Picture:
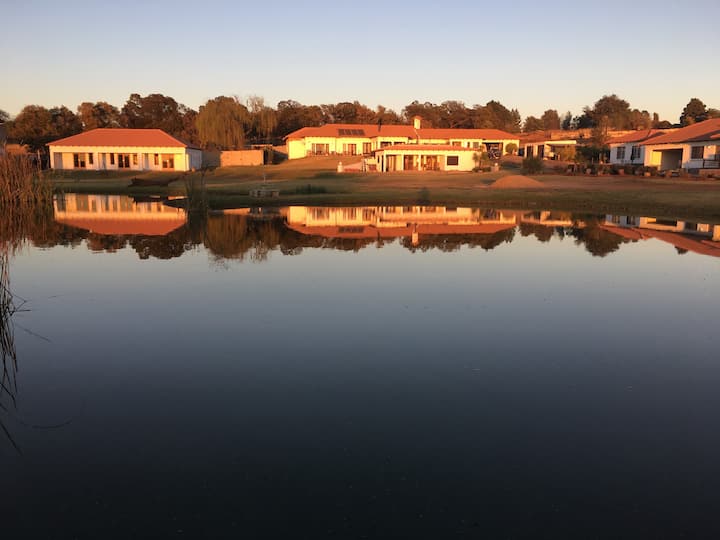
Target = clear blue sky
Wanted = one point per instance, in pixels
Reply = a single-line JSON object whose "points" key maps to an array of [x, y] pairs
{"points": [[528, 55]]}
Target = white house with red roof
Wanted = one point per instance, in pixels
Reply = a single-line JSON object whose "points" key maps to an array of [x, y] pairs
{"points": [[368, 139], [694, 148], [627, 149], [121, 149]]}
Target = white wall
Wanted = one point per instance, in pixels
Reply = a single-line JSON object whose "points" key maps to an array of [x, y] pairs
{"points": [[183, 158]]}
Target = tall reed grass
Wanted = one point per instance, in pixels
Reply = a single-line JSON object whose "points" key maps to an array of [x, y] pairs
{"points": [[25, 205]]}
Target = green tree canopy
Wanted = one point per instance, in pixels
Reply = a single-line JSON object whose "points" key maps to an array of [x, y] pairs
{"points": [[36, 126], [98, 115], [695, 111], [223, 122], [533, 123], [153, 111], [550, 120]]}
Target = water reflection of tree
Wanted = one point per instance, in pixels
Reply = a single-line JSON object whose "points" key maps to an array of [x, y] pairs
{"points": [[542, 232], [453, 242], [598, 241]]}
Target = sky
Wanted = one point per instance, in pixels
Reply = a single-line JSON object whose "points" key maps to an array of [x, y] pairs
{"points": [[531, 56]]}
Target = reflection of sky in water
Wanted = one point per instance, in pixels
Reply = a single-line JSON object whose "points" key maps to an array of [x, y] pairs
{"points": [[509, 382]]}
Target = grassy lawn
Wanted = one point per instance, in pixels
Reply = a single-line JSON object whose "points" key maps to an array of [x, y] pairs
{"points": [[314, 181]]}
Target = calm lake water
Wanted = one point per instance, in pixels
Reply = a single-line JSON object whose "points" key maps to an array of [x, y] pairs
{"points": [[377, 372]]}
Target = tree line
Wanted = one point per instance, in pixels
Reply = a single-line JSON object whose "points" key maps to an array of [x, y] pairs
{"points": [[228, 123]]}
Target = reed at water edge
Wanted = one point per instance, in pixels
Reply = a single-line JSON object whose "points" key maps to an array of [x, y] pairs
{"points": [[25, 204]]}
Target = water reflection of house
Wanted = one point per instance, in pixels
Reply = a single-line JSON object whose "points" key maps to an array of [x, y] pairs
{"points": [[397, 221], [548, 218], [702, 238], [117, 214]]}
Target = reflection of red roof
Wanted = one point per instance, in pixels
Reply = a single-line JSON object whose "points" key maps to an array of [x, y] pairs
{"points": [[625, 232], [685, 242], [122, 137], [702, 131], [119, 226], [370, 231], [682, 241], [639, 136]]}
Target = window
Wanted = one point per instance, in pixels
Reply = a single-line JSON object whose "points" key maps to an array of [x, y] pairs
{"points": [[453, 160], [635, 153], [320, 149], [79, 161], [455, 143], [134, 159], [112, 159], [621, 152], [697, 152], [90, 159], [367, 148], [350, 149], [168, 161], [156, 159], [123, 161]]}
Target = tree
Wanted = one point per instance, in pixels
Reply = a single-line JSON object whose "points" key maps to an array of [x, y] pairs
{"points": [[694, 111], [550, 120], [98, 115], [567, 121], [532, 123], [223, 122], [292, 116], [429, 112], [504, 118], [511, 148], [4, 117], [36, 126], [153, 111], [263, 119], [612, 110]]}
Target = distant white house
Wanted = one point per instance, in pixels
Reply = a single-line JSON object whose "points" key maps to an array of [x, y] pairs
{"points": [[542, 145], [119, 149], [628, 150], [425, 157], [694, 148], [367, 139]]}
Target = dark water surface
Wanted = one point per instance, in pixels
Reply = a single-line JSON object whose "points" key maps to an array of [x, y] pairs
{"points": [[313, 373]]}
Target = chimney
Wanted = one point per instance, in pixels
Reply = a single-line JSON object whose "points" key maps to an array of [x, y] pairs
{"points": [[417, 120]]}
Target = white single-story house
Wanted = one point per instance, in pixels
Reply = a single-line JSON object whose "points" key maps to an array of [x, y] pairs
{"points": [[694, 148], [543, 146], [628, 150], [132, 149], [366, 139], [425, 157]]}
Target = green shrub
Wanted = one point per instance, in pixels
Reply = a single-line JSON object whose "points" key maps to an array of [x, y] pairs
{"points": [[532, 165], [511, 148]]}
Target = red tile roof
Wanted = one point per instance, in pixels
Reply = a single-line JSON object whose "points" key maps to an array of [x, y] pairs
{"points": [[122, 137], [374, 130], [639, 136], [368, 130], [702, 131], [486, 134]]}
